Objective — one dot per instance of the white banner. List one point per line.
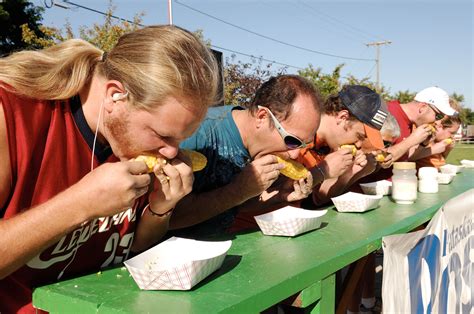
(431, 271)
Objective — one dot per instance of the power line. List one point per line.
(320, 13)
(100, 12)
(55, 3)
(270, 38)
(261, 58)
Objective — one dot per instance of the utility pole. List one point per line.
(170, 13)
(377, 44)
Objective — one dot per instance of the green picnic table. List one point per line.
(259, 271)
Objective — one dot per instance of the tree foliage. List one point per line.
(404, 96)
(241, 80)
(327, 83)
(103, 35)
(14, 14)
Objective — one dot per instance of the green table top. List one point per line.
(259, 270)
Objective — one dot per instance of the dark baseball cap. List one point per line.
(368, 107)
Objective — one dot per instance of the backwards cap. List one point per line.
(367, 106)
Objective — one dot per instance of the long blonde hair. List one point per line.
(152, 63)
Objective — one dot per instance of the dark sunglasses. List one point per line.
(438, 114)
(291, 141)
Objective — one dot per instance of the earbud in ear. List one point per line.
(119, 96)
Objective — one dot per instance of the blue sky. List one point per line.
(432, 41)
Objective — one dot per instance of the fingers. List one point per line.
(137, 167)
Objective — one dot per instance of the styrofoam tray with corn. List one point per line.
(289, 221)
(382, 187)
(177, 263)
(356, 202)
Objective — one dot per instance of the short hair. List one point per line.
(390, 127)
(333, 105)
(279, 93)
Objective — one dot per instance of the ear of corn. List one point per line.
(293, 169)
(448, 141)
(380, 158)
(151, 161)
(432, 129)
(198, 160)
(351, 147)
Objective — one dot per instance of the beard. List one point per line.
(123, 144)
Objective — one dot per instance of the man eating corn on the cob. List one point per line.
(353, 116)
(249, 151)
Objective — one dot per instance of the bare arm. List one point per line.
(408, 145)
(363, 166)
(27, 234)
(422, 152)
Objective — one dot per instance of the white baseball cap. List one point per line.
(437, 97)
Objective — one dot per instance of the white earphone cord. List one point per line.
(99, 120)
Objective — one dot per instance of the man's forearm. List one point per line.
(419, 152)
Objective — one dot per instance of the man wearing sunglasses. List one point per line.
(241, 146)
(416, 120)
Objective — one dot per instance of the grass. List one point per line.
(460, 152)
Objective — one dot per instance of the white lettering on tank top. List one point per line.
(68, 244)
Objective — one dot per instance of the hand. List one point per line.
(295, 190)
(112, 187)
(439, 147)
(388, 161)
(258, 176)
(364, 165)
(336, 163)
(173, 181)
(421, 133)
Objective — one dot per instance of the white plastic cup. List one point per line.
(428, 180)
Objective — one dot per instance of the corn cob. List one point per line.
(151, 161)
(351, 147)
(198, 160)
(293, 169)
(432, 129)
(448, 141)
(380, 158)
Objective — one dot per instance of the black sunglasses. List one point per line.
(438, 114)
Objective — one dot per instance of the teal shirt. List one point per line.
(218, 138)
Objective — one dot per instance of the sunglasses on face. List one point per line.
(438, 114)
(291, 141)
(387, 144)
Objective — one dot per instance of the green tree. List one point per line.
(103, 35)
(13, 14)
(242, 79)
(352, 80)
(327, 83)
(457, 97)
(404, 96)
